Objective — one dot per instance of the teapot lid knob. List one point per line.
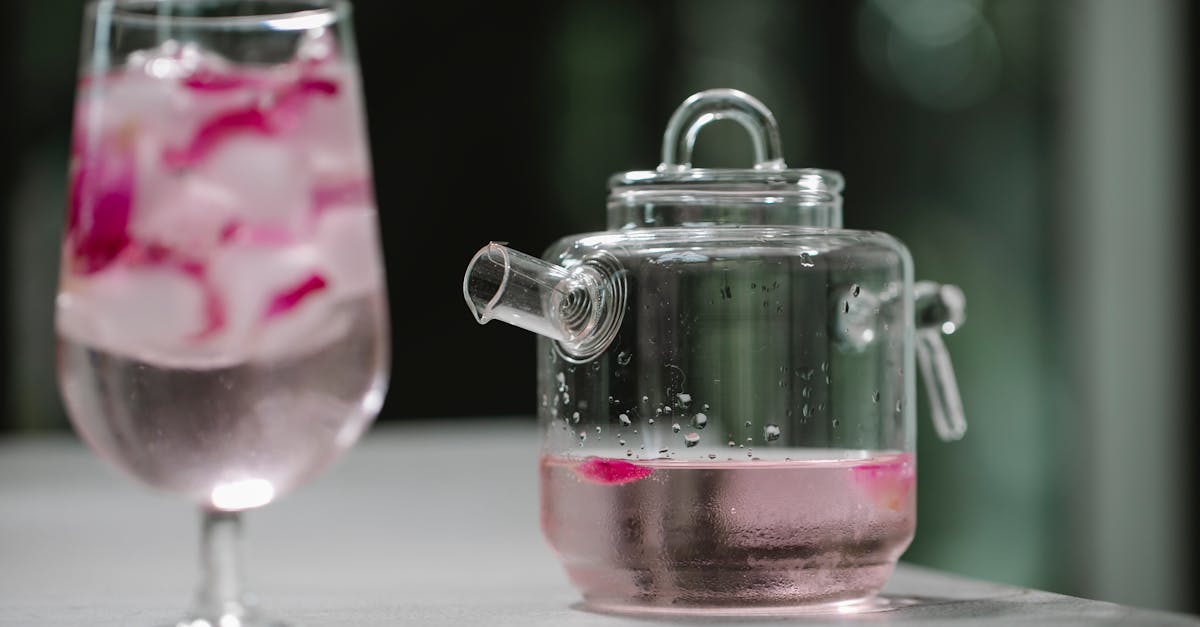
(721, 104)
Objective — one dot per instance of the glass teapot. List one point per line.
(726, 383)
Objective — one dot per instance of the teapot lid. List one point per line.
(676, 194)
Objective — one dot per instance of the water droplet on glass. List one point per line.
(875, 396)
(855, 290)
(597, 428)
(664, 450)
(650, 420)
(771, 432)
(675, 427)
(575, 418)
(645, 399)
(582, 436)
(806, 391)
(624, 418)
(806, 260)
(706, 407)
(805, 410)
(629, 453)
(691, 439)
(621, 441)
(732, 444)
(623, 358)
(712, 455)
(684, 398)
(899, 406)
(835, 423)
(668, 409)
(846, 307)
(824, 366)
(700, 421)
(561, 378)
(749, 424)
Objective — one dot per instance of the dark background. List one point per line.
(979, 132)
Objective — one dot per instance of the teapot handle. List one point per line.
(720, 104)
(940, 309)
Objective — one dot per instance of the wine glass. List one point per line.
(221, 313)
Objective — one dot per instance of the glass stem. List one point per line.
(220, 592)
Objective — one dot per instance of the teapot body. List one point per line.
(747, 438)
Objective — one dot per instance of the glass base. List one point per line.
(871, 604)
(229, 620)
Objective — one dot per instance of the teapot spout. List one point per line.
(579, 307)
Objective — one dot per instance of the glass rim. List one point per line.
(299, 15)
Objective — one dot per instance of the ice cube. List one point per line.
(331, 130)
(148, 312)
(311, 324)
(348, 244)
(250, 279)
(316, 45)
(184, 211)
(117, 103)
(133, 102)
(266, 178)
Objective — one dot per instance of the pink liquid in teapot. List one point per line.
(818, 527)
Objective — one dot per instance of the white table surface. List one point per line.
(421, 524)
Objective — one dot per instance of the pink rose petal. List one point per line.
(611, 471)
(100, 203)
(316, 86)
(214, 312)
(282, 116)
(211, 133)
(288, 299)
(889, 484)
(209, 80)
(291, 101)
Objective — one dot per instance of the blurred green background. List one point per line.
(1040, 155)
